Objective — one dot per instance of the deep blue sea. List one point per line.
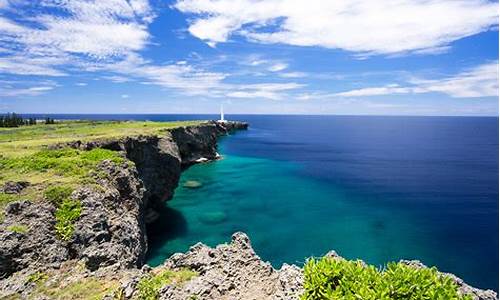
(369, 187)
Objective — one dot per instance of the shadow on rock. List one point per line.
(170, 225)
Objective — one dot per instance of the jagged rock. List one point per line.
(232, 271)
(38, 246)
(14, 187)
(111, 228)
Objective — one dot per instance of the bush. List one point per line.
(68, 212)
(37, 277)
(330, 278)
(149, 287)
(57, 194)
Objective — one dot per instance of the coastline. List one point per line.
(110, 236)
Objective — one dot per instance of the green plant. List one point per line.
(57, 194)
(149, 286)
(18, 228)
(330, 278)
(67, 213)
(37, 277)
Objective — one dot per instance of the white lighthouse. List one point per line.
(222, 114)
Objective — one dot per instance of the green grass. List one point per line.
(29, 139)
(23, 229)
(84, 289)
(149, 287)
(37, 277)
(25, 156)
(330, 278)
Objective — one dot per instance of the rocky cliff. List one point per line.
(114, 212)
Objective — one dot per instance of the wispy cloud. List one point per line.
(480, 81)
(370, 27)
(11, 88)
(70, 33)
(278, 67)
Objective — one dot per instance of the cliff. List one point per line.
(111, 226)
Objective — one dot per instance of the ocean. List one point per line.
(370, 187)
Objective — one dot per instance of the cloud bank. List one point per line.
(480, 81)
(370, 27)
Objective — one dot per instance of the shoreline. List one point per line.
(110, 237)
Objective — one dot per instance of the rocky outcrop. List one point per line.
(228, 271)
(14, 187)
(232, 271)
(27, 238)
(112, 226)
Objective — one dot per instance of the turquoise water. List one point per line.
(265, 196)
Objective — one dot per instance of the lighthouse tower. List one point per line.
(222, 114)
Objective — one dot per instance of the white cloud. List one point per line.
(81, 84)
(481, 81)
(70, 33)
(117, 79)
(278, 67)
(376, 27)
(20, 88)
(125, 96)
(27, 65)
(293, 74)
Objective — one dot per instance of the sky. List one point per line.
(355, 57)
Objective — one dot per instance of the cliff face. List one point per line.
(111, 227)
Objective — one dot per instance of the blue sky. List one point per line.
(404, 57)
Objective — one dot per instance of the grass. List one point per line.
(84, 289)
(29, 139)
(23, 229)
(149, 287)
(330, 278)
(25, 156)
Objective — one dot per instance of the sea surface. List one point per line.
(369, 187)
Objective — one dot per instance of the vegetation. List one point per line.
(331, 278)
(25, 156)
(37, 277)
(149, 287)
(27, 140)
(57, 194)
(89, 288)
(66, 215)
(15, 120)
(18, 228)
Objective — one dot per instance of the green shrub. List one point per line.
(149, 287)
(18, 228)
(330, 278)
(57, 194)
(37, 277)
(67, 213)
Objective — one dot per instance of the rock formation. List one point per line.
(111, 228)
